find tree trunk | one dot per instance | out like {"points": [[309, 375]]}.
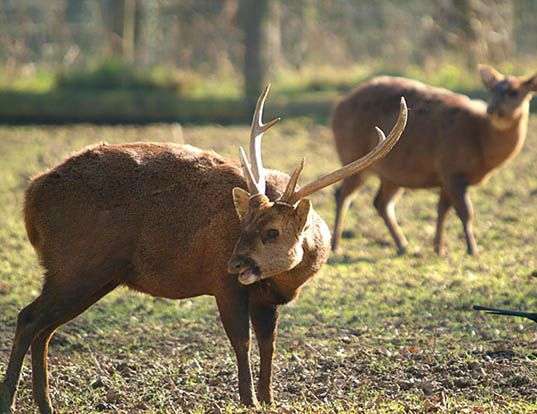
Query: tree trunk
{"points": [[129, 30], [274, 35], [469, 33], [121, 19], [253, 22]]}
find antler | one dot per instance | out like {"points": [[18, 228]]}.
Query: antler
{"points": [[381, 149], [253, 167]]}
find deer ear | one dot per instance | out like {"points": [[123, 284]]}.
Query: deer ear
{"points": [[302, 211], [531, 83], [241, 199], [489, 76]]}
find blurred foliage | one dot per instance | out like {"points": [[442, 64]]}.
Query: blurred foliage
{"points": [[112, 75], [167, 95], [204, 36], [177, 60]]}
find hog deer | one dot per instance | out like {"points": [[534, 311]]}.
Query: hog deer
{"points": [[451, 142], [176, 222]]}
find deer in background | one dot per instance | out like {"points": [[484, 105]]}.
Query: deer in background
{"points": [[176, 222], [451, 142]]}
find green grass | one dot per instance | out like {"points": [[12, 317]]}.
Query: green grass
{"points": [[371, 332]]}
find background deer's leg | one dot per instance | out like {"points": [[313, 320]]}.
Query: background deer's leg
{"points": [[264, 321], [71, 305], [384, 202], [343, 201], [233, 307], [458, 193], [444, 204]]}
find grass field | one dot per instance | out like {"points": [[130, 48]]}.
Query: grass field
{"points": [[371, 332]]}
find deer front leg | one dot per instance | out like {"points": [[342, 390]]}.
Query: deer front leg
{"points": [[458, 192], [444, 204], [265, 321], [385, 205], [233, 308]]}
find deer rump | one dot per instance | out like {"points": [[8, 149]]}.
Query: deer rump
{"points": [[160, 217]]}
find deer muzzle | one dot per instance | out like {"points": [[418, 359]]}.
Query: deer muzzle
{"points": [[247, 270]]}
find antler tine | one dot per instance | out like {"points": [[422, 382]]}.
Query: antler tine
{"points": [[247, 171], [291, 185], [381, 135], [258, 129], [381, 149]]}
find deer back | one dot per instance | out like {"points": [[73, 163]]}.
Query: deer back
{"points": [[444, 132]]}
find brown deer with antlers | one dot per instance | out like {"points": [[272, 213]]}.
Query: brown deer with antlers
{"points": [[176, 222], [451, 142]]}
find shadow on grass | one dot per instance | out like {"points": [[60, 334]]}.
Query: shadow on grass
{"points": [[143, 107]]}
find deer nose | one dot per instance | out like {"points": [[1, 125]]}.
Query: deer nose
{"points": [[239, 263], [493, 106]]}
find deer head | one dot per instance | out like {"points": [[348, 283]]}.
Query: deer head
{"points": [[273, 232], [509, 95]]}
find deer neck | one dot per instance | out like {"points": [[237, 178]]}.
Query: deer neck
{"points": [[505, 138]]}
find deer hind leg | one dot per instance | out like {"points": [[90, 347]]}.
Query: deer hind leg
{"points": [[28, 322], [385, 200], [264, 321], [343, 201], [72, 304], [57, 304], [444, 204], [458, 193], [233, 308]]}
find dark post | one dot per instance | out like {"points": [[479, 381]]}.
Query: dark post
{"points": [[253, 17]]}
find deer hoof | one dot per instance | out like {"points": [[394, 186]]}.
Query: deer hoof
{"points": [[401, 251], [5, 409], [265, 398], [472, 251], [440, 251], [250, 402]]}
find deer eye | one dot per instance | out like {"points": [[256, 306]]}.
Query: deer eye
{"points": [[270, 235], [512, 93]]}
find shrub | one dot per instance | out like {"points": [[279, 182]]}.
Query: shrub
{"points": [[116, 75]]}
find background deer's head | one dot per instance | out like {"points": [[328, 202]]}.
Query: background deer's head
{"points": [[510, 95]]}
